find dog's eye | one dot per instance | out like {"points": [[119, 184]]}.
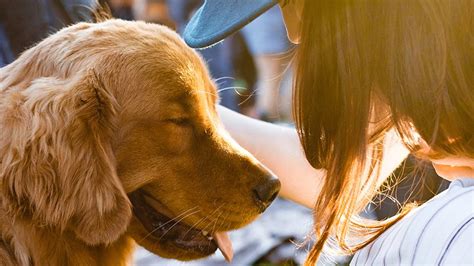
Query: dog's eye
{"points": [[182, 122]]}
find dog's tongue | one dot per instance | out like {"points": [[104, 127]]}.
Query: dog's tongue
{"points": [[225, 245]]}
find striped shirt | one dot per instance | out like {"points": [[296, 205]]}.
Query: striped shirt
{"points": [[439, 232]]}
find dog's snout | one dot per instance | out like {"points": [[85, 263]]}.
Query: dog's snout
{"points": [[266, 192]]}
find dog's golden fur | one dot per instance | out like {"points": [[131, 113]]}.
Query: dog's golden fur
{"points": [[96, 112]]}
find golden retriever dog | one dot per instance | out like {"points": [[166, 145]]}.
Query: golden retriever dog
{"points": [[110, 137]]}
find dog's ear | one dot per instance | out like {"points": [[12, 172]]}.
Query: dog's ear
{"points": [[57, 163]]}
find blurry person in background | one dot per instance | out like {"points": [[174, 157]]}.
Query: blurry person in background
{"points": [[26, 22], [219, 57], [120, 8], [155, 11], [268, 42], [6, 55]]}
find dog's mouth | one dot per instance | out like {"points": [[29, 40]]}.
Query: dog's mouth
{"points": [[168, 230]]}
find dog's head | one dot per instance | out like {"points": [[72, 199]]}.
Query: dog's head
{"points": [[112, 128]]}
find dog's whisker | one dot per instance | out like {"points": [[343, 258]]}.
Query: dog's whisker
{"points": [[178, 216], [161, 226], [194, 225], [248, 97], [235, 88], [223, 78], [203, 219], [219, 84], [215, 222], [173, 219], [177, 222], [209, 225], [224, 219]]}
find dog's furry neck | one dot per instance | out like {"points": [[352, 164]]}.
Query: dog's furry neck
{"points": [[41, 222], [35, 245]]}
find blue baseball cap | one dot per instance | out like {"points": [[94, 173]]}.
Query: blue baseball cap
{"points": [[217, 19]]}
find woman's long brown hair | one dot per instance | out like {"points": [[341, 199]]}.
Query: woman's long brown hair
{"points": [[367, 66]]}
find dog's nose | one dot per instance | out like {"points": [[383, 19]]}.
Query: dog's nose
{"points": [[266, 192]]}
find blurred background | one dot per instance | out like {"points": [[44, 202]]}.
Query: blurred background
{"points": [[253, 72]]}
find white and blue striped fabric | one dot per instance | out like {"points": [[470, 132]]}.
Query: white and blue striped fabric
{"points": [[439, 232]]}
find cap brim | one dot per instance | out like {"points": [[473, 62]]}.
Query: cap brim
{"points": [[217, 19]]}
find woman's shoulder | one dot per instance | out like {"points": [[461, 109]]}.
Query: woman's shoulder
{"points": [[441, 231]]}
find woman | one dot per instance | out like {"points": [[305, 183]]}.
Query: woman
{"points": [[369, 72]]}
